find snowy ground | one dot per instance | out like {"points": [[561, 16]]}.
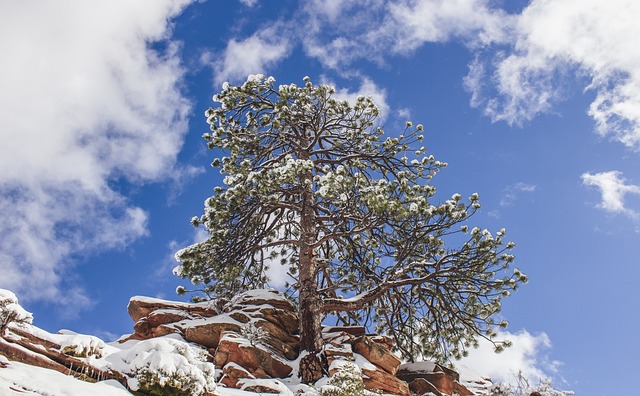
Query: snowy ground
{"points": [[21, 379]]}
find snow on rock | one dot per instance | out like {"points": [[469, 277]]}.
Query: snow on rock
{"points": [[424, 377], [228, 348], [81, 345], [258, 359], [140, 307], [11, 313], [23, 379], [166, 363], [265, 386], [259, 297]]}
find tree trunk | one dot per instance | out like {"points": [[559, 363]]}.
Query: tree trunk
{"points": [[311, 312], [310, 368]]}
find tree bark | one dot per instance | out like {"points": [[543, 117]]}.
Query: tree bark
{"points": [[311, 312]]}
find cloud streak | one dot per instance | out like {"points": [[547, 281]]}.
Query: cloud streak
{"points": [[87, 103], [613, 188], [511, 192]]}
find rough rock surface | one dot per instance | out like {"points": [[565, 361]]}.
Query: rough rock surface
{"points": [[424, 377], [377, 353], [258, 359], [232, 373], [343, 345], [253, 342]]}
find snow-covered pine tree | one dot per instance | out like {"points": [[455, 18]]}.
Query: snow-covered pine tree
{"points": [[312, 184]]}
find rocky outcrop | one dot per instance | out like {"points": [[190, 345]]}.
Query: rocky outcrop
{"points": [[28, 348], [268, 351], [252, 340]]}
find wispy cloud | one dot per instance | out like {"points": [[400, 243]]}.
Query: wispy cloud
{"points": [[86, 103], [613, 188], [249, 3], [339, 33], [511, 192]]}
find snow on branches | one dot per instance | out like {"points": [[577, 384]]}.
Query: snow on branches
{"points": [[311, 183]]}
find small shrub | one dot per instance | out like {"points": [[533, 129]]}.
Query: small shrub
{"points": [[11, 312], [254, 334], [347, 381], [168, 367]]}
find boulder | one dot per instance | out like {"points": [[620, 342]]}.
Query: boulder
{"points": [[381, 381], [377, 353], [286, 319], [256, 359], [231, 373], [285, 344], [165, 316], [421, 386], [140, 307], [264, 386], [208, 332], [441, 378], [260, 297], [352, 330]]}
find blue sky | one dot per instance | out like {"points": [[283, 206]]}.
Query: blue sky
{"points": [[534, 105]]}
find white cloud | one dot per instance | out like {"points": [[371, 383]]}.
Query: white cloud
{"points": [[524, 63], [86, 102], [368, 88], [528, 355], [556, 41], [613, 188], [253, 55]]}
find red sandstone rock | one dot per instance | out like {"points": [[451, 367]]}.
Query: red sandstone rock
{"points": [[231, 373], [441, 378], [379, 380], [255, 359], [140, 307], [165, 316], [208, 332], [376, 353], [256, 298], [421, 386]]}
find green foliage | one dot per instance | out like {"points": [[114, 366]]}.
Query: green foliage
{"points": [[256, 335], [305, 171], [167, 366], [157, 383], [347, 381]]}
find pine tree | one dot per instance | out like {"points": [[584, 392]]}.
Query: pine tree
{"points": [[311, 183]]}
